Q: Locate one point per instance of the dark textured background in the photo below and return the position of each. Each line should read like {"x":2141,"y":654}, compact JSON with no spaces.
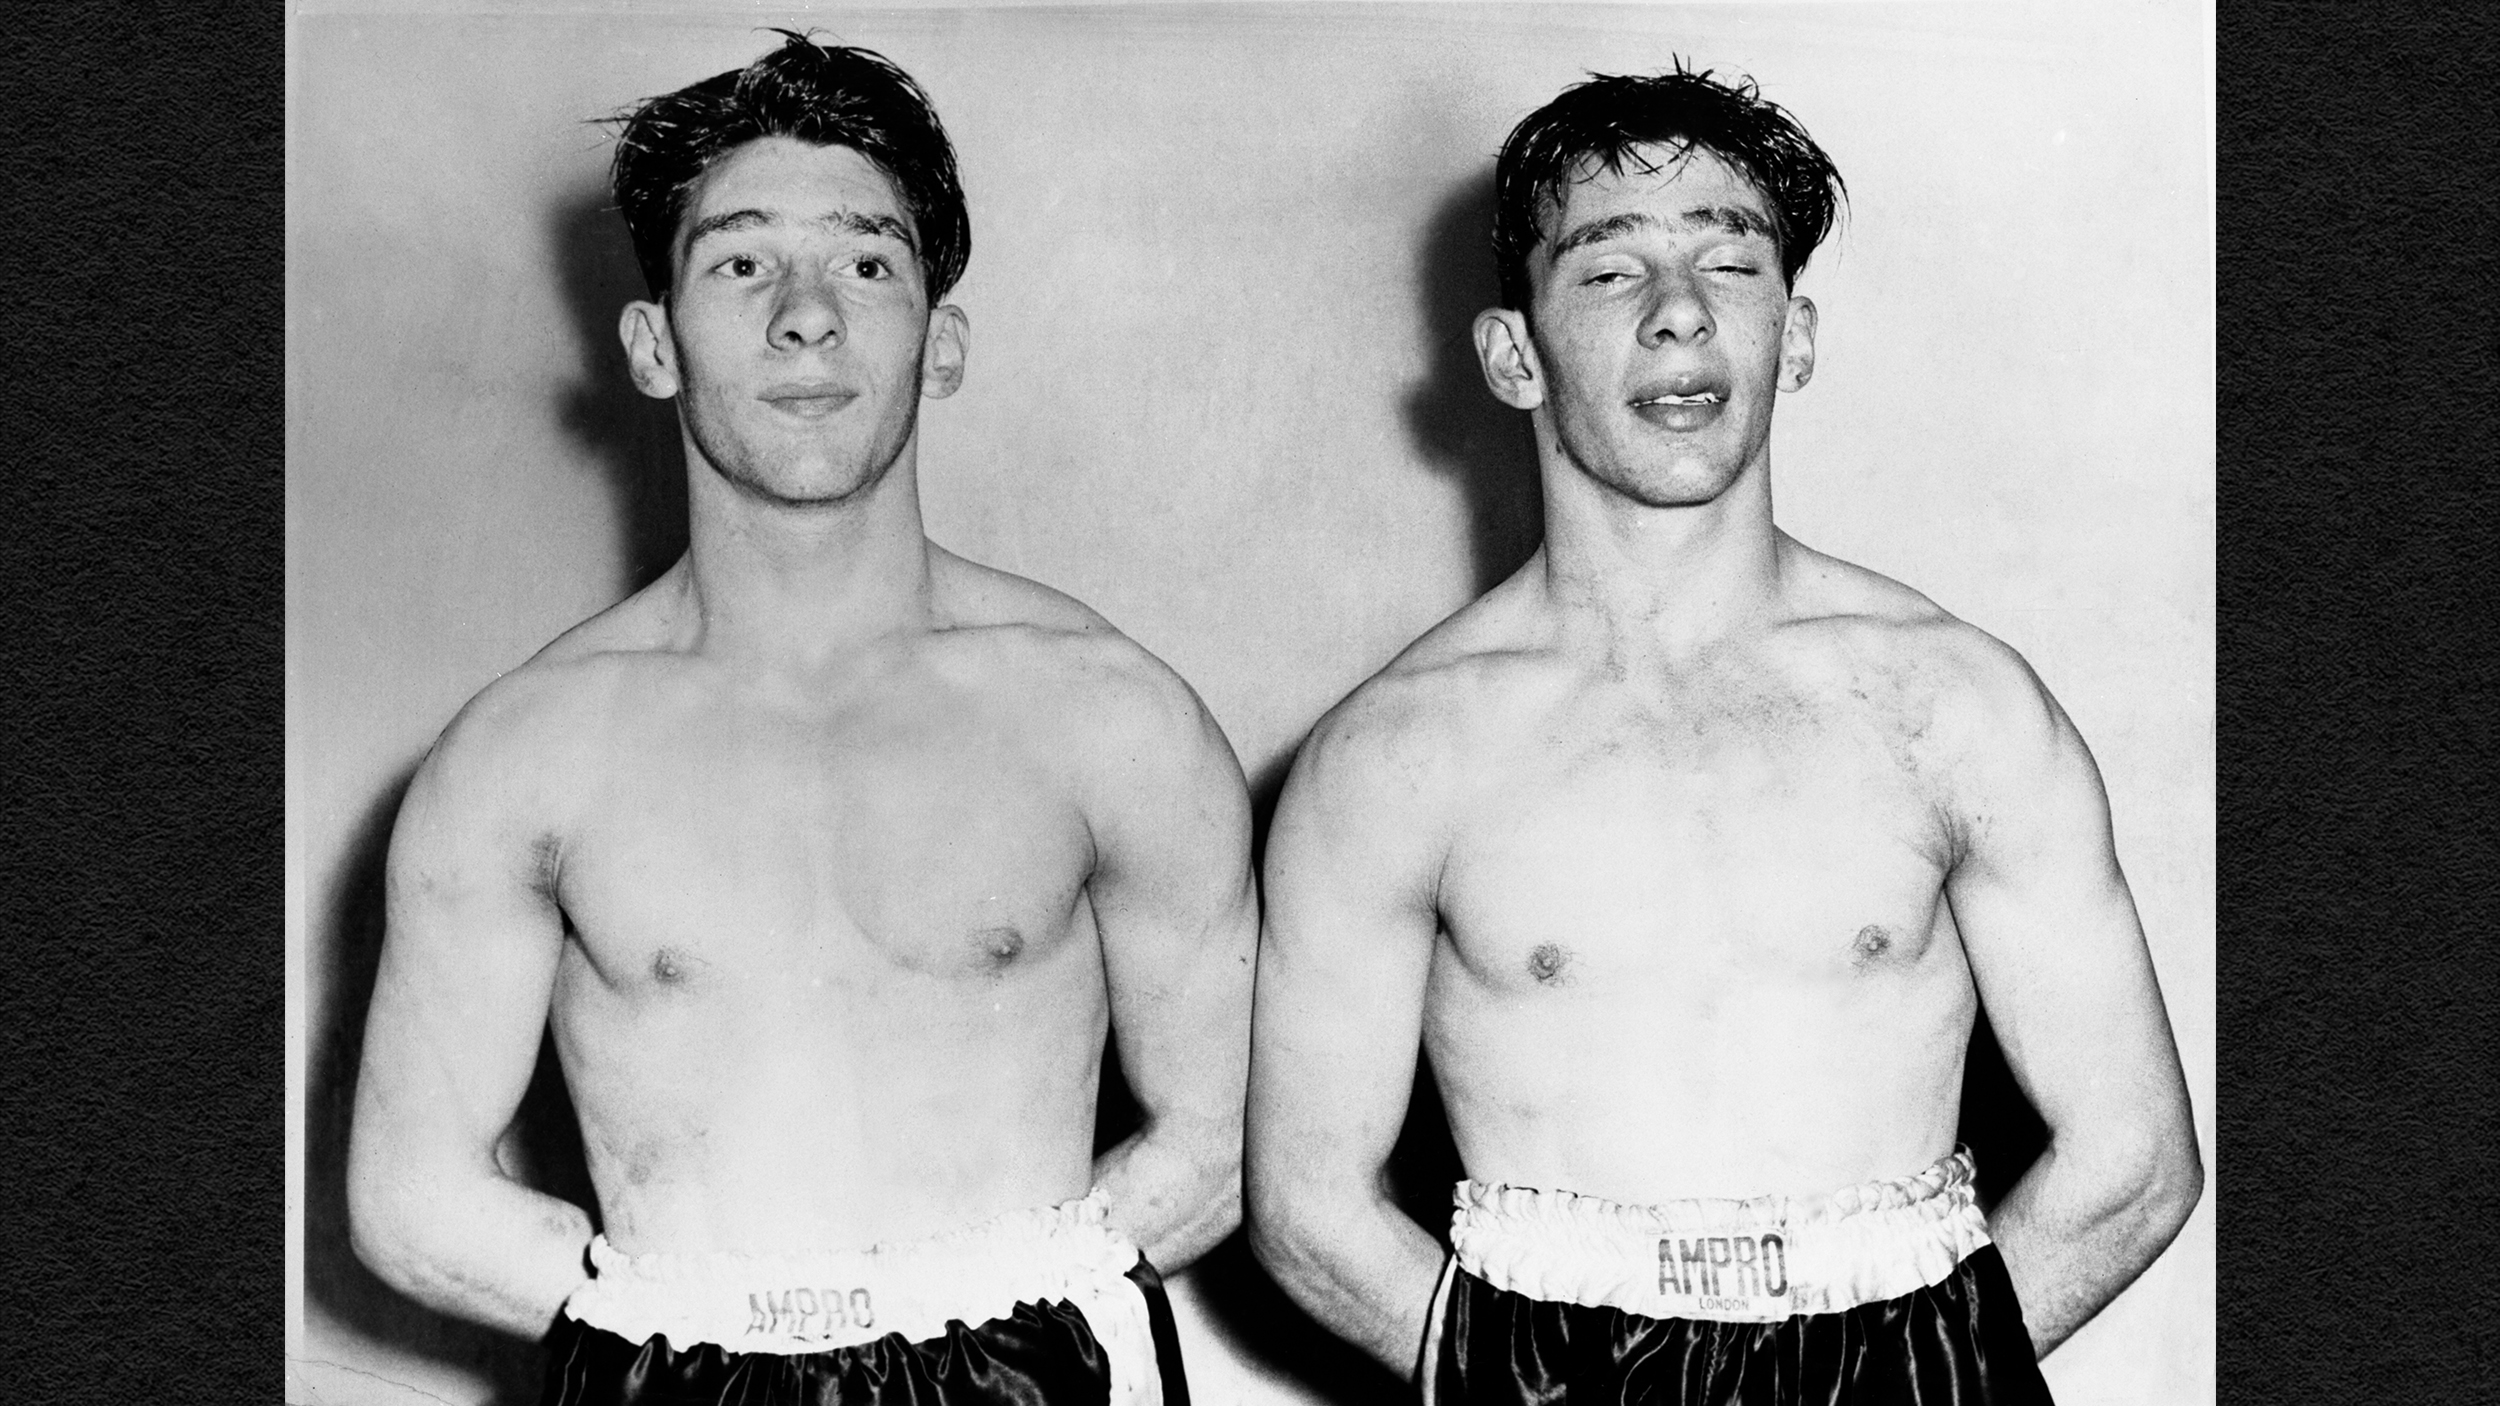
{"x":140,"y":781}
{"x":140,"y":474}
{"x":2354,"y":1190}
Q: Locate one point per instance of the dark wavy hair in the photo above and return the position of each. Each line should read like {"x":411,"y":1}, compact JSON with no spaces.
{"x":1608,"y":117}
{"x":820,"y":93}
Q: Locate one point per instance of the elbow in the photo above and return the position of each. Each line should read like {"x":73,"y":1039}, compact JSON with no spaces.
{"x":1190,"y":1192}
{"x":386,"y":1219}
{"x":1219,"y":1172}
{"x":1223,"y":1214}
{"x":2175,"y":1184}
{"x":1278,"y":1234}
{"x":2161,"y":1180}
{"x":1276,"y":1250}
{"x":378,"y":1229}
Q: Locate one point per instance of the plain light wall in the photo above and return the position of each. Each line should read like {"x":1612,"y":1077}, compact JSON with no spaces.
{"x":1223,"y":266}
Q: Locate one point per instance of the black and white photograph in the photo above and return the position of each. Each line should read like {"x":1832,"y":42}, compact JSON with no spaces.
{"x":1255,"y":704}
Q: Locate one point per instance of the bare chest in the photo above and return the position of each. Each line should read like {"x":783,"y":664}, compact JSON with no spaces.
{"x":930,"y":843}
{"x":1780,"y":848}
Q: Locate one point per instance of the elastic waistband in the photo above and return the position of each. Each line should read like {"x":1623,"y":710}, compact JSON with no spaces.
{"x":1749,"y":1261}
{"x":819,"y":1301}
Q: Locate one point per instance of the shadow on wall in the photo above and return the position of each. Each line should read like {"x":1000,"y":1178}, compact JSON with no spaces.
{"x":1454,"y":420}
{"x":543,"y":1147}
{"x":632,"y":437}
{"x":633,"y":440}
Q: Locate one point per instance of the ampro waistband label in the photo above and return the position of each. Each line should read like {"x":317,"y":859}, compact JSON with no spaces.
{"x":1740,"y":1277}
{"x":810,"y":1314}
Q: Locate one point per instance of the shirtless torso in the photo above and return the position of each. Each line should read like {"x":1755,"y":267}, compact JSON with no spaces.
{"x":829,"y":857}
{"x":829,"y":960}
{"x":1705,"y":923}
{"x":831,"y":973}
{"x":1694,"y":937}
{"x":1690,"y":855}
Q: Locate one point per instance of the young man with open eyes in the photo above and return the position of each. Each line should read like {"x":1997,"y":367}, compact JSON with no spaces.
{"x":1689,"y":855}
{"x":830,"y":857}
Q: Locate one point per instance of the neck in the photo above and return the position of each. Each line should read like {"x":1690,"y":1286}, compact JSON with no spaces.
{"x":797,"y":584}
{"x":1677,"y":579}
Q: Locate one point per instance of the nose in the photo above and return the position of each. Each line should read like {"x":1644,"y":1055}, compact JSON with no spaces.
{"x":1678,"y":313}
{"x":806,"y":313}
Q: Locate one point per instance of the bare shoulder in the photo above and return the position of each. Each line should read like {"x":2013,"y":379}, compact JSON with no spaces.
{"x":523,"y":733}
{"x":1418,"y":725}
{"x":1059,"y":658}
{"x":972,"y":596}
{"x":1978,"y":704}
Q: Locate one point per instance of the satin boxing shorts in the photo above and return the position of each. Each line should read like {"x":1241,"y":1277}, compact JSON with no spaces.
{"x":1888,"y":1291}
{"x":1037,"y":1308}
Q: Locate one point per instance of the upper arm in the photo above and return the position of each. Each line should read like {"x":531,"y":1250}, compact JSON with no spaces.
{"x":1352,"y":865}
{"x":2054,"y":943}
{"x":468,"y":960}
{"x":1172,"y":895}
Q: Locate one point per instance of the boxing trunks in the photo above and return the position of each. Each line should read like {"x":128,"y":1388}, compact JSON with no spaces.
{"x":1047,"y":1306}
{"x":1888,"y":1291}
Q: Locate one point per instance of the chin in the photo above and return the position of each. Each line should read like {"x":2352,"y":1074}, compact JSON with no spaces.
{"x":823,"y":465}
{"x":809,"y":473}
{"x":1652,"y":473}
{"x":1678,"y":486}
{"x":803,"y":483}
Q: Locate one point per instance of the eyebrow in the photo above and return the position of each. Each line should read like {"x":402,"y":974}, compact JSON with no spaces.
{"x":1734,"y":219}
{"x":848,"y":221}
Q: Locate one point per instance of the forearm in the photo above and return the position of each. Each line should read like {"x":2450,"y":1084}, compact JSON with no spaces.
{"x":478,"y":1247}
{"x":2077,"y":1230}
{"x":1361,"y":1267}
{"x":1173,"y":1193}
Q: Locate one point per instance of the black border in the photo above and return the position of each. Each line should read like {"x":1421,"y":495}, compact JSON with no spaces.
{"x":2355,"y":352}
{"x":142,"y":775}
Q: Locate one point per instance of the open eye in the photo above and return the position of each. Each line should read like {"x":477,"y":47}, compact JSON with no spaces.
{"x":739,"y":266}
{"x":870,"y":266}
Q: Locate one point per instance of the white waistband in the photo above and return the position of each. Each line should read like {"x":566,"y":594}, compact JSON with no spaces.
{"x":822,"y":1300}
{"x":1750,"y":1261}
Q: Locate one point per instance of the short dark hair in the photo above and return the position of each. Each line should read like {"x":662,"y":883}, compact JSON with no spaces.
{"x":820,"y":93}
{"x":1607,"y":117}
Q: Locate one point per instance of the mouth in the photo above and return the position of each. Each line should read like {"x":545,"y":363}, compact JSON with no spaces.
{"x":1684,"y":403}
{"x":808,"y":399}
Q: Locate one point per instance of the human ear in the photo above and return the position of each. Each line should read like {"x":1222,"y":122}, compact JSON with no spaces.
{"x":942,"y":352}
{"x":1508,"y":356}
{"x":649,"y":352}
{"x":1797,"y":345}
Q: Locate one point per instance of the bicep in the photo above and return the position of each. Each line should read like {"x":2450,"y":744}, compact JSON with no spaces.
{"x":2055,"y":945}
{"x":1344,"y":955}
{"x":469,"y":953}
{"x":1177,"y":913}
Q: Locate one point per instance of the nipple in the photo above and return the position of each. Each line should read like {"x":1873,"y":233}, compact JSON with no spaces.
{"x":1547,"y":961}
{"x":999,"y":945}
